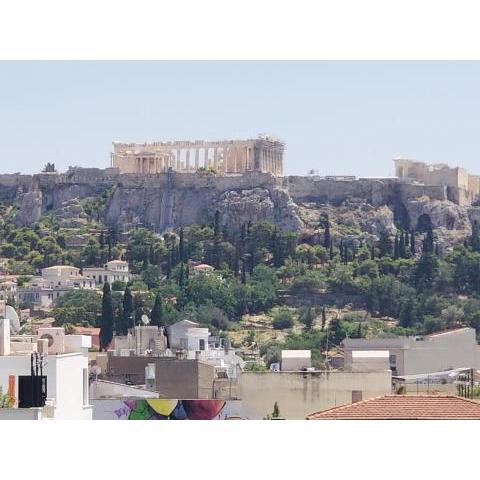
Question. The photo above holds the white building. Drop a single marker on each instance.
(198, 344)
(295, 360)
(422, 354)
(54, 282)
(59, 275)
(142, 340)
(177, 334)
(65, 366)
(110, 272)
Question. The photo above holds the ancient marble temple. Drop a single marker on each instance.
(262, 154)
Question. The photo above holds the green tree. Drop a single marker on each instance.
(324, 317)
(78, 307)
(282, 319)
(157, 316)
(325, 223)
(127, 318)
(385, 244)
(276, 411)
(306, 317)
(106, 326)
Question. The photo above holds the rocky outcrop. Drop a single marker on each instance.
(352, 222)
(30, 208)
(440, 214)
(357, 208)
(71, 214)
(258, 204)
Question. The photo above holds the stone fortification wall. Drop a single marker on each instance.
(375, 191)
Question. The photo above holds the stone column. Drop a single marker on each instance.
(206, 161)
(179, 152)
(197, 155)
(215, 158)
(187, 161)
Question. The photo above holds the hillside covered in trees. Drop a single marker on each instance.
(270, 288)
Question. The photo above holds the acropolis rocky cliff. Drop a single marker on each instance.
(172, 199)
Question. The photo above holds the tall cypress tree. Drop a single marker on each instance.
(216, 227)
(412, 244)
(326, 235)
(106, 326)
(475, 238)
(396, 248)
(385, 244)
(428, 246)
(182, 247)
(236, 260)
(157, 316)
(244, 272)
(402, 252)
(127, 311)
(181, 277)
(243, 238)
(308, 319)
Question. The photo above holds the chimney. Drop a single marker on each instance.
(357, 396)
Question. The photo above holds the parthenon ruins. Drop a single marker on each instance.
(262, 154)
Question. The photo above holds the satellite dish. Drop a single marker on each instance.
(11, 314)
(145, 319)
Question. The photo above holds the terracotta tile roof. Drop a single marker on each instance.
(405, 407)
(87, 331)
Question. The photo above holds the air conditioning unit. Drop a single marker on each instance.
(55, 337)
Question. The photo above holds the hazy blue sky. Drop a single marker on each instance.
(336, 117)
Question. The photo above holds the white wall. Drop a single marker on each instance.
(456, 349)
(64, 381)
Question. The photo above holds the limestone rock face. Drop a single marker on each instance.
(359, 210)
(286, 210)
(377, 221)
(352, 222)
(441, 214)
(71, 214)
(451, 222)
(258, 204)
(30, 208)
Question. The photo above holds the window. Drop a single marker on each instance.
(202, 344)
(393, 363)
